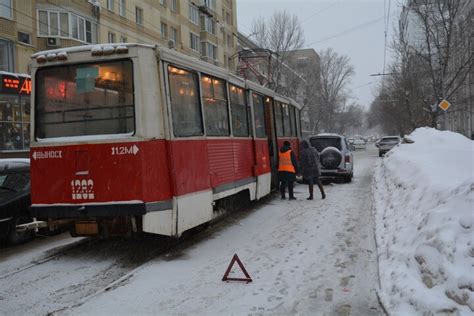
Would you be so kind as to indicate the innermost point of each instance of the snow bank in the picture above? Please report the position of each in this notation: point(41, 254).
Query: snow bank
point(424, 204)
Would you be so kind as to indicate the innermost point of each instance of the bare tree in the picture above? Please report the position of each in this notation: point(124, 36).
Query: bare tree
point(350, 117)
point(336, 74)
point(281, 33)
point(442, 47)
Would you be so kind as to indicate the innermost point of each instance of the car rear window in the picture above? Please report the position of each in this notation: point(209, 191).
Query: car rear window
point(14, 181)
point(322, 142)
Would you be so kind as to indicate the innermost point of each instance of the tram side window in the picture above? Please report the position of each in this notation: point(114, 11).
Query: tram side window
point(298, 122)
point(292, 121)
point(259, 111)
point(286, 119)
point(240, 112)
point(85, 99)
point(279, 119)
point(216, 111)
point(185, 107)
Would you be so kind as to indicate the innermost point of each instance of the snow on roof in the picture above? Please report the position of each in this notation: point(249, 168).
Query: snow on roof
point(328, 134)
point(83, 48)
point(17, 75)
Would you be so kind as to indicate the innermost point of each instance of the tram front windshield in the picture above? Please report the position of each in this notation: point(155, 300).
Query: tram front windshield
point(85, 99)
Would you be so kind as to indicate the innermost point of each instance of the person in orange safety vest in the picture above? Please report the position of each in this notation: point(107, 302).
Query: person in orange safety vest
point(287, 170)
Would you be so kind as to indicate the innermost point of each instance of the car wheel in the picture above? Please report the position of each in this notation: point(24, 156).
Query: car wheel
point(15, 237)
point(348, 178)
point(380, 154)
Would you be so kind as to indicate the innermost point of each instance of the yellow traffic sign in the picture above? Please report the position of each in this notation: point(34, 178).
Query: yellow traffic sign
point(444, 105)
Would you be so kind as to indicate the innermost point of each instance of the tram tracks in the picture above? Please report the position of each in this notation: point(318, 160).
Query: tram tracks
point(69, 278)
point(57, 252)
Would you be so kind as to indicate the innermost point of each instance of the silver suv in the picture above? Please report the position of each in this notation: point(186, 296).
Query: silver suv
point(335, 156)
point(386, 143)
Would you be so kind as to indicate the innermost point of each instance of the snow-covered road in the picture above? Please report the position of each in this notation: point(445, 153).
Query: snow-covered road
point(305, 257)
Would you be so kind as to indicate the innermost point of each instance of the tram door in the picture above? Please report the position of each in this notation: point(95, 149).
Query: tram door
point(272, 141)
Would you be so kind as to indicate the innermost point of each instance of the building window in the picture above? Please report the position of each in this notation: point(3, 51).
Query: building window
point(111, 37)
point(110, 5)
point(210, 4)
point(139, 15)
point(66, 25)
point(229, 41)
point(123, 39)
point(15, 115)
point(163, 30)
point(208, 24)
point(91, 32)
point(122, 7)
point(194, 42)
point(228, 18)
point(174, 5)
point(43, 23)
point(24, 38)
point(193, 14)
point(6, 9)
point(209, 50)
point(6, 55)
point(174, 35)
point(163, 2)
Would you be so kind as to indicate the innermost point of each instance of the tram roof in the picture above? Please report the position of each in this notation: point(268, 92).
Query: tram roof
point(84, 48)
point(175, 57)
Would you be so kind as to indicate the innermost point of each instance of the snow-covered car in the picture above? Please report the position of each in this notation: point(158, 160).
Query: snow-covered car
point(386, 143)
point(15, 199)
point(335, 156)
point(359, 143)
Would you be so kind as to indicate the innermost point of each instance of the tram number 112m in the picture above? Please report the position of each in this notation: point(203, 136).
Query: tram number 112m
point(125, 150)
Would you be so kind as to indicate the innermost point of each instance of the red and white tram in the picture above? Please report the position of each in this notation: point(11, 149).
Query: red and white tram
point(131, 137)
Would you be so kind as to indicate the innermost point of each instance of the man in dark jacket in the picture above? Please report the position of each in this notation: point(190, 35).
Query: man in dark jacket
point(287, 169)
point(309, 160)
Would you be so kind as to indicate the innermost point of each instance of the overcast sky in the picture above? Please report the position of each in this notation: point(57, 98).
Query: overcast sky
point(352, 27)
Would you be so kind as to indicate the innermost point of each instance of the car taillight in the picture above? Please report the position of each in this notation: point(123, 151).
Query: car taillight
point(348, 159)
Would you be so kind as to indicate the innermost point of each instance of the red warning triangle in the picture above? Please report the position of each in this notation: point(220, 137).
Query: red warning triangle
point(235, 259)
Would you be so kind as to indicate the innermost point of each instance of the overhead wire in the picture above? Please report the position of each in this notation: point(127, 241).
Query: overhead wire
point(320, 11)
point(347, 31)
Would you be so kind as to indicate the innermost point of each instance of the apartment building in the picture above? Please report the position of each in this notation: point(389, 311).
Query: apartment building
point(202, 28)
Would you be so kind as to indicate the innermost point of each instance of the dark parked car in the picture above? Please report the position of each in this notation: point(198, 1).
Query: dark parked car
point(15, 199)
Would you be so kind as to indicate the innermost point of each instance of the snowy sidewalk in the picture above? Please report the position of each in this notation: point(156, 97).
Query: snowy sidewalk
point(305, 257)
